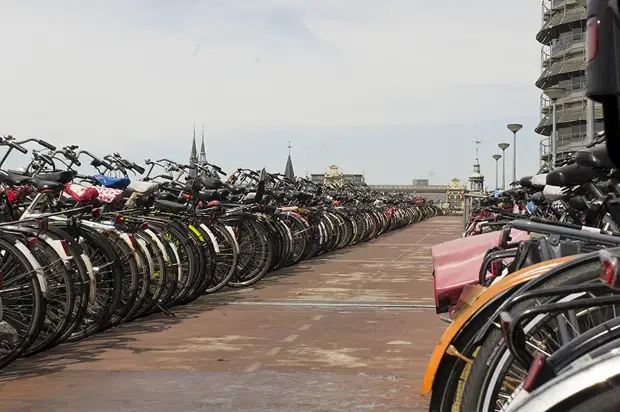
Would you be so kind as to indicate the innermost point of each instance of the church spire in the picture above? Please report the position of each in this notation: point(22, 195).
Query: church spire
point(476, 179)
point(193, 157)
point(203, 152)
point(288, 170)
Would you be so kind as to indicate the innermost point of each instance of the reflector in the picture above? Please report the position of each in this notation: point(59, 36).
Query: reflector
point(32, 243)
point(505, 319)
point(96, 213)
point(535, 369)
point(592, 38)
point(65, 246)
point(609, 275)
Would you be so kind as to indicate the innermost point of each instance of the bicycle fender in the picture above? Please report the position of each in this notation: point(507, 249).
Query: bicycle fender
point(466, 316)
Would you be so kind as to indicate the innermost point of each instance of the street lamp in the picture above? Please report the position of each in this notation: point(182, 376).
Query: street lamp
point(503, 146)
point(554, 93)
point(514, 128)
point(497, 157)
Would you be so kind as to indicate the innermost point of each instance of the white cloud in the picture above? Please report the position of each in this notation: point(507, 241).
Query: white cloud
point(128, 71)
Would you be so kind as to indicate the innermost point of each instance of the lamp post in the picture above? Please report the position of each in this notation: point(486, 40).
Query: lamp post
point(503, 146)
point(497, 157)
point(554, 93)
point(514, 128)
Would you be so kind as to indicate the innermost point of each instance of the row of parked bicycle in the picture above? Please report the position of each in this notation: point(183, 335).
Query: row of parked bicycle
point(81, 253)
point(533, 287)
point(533, 295)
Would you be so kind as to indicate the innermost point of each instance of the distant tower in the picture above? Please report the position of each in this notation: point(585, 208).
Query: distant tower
point(476, 179)
point(193, 157)
point(203, 152)
point(288, 170)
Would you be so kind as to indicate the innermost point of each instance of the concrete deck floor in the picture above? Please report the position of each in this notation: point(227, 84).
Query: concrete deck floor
point(348, 331)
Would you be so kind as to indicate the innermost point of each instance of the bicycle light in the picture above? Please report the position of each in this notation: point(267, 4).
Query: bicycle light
point(505, 319)
point(65, 247)
point(537, 366)
point(609, 275)
point(97, 213)
point(592, 38)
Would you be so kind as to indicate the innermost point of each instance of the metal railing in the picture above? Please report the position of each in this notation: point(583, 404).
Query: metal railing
point(470, 201)
point(408, 187)
point(571, 142)
point(544, 150)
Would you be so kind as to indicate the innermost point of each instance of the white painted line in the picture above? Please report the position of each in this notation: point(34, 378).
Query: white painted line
point(290, 338)
point(394, 244)
point(253, 367)
point(317, 317)
point(273, 351)
point(305, 327)
point(378, 262)
point(339, 305)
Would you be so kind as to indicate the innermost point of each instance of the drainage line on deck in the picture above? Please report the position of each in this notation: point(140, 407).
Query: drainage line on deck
point(336, 304)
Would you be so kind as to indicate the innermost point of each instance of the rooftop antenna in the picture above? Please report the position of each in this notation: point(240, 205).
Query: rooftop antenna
point(289, 147)
point(194, 130)
point(477, 142)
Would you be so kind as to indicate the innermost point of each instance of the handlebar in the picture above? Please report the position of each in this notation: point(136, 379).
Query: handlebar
point(96, 160)
point(46, 144)
point(41, 142)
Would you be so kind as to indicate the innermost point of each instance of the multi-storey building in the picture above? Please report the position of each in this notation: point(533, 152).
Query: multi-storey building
point(563, 36)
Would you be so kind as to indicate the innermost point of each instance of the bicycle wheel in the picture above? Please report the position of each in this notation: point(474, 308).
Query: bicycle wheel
point(21, 301)
point(255, 250)
point(227, 256)
point(107, 278)
point(60, 297)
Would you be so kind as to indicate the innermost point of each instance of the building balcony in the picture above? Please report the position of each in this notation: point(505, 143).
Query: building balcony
point(551, 28)
point(572, 96)
point(564, 66)
point(572, 142)
point(565, 48)
point(563, 116)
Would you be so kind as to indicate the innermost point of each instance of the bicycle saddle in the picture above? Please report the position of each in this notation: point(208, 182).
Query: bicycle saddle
point(145, 188)
point(526, 181)
point(238, 190)
point(13, 179)
point(578, 203)
point(211, 183)
point(537, 198)
point(45, 186)
point(539, 180)
point(64, 176)
point(112, 182)
point(169, 206)
point(594, 157)
point(249, 198)
point(553, 193)
point(209, 195)
point(571, 175)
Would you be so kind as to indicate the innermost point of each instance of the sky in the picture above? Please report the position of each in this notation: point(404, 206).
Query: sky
point(399, 89)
